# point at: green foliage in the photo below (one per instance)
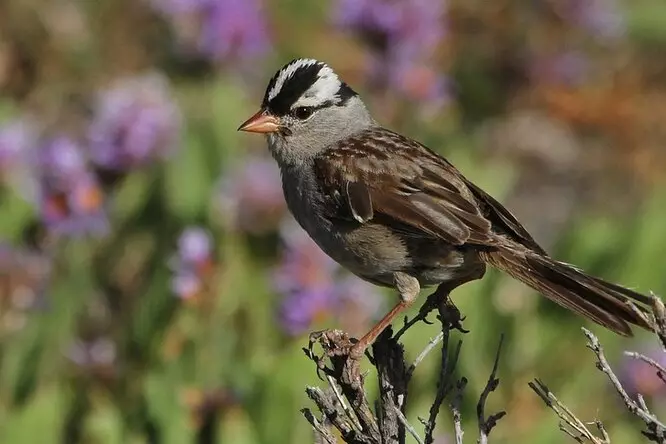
(220, 369)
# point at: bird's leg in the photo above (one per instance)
(409, 288)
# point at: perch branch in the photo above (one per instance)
(570, 424)
(655, 427)
(487, 424)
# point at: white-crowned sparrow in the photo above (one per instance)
(395, 213)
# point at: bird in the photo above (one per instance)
(397, 214)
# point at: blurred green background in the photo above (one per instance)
(153, 287)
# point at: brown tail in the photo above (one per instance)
(598, 300)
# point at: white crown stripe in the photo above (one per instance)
(286, 73)
(325, 89)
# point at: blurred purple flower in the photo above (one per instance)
(135, 122)
(226, 29)
(603, 19)
(404, 36)
(304, 264)
(192, 262)
(70, 199)
(61, 159)
(250, 197)
(568, 68)
(194, 245)
(315, 287)
(300, 309)
(97, 354)
(639, 377)
(234, 29)
(16, 139)
(409, 27)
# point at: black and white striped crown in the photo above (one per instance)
(305, 82)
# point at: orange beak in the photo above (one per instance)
(261, 122)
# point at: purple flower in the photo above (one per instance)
(404, 36)
(638, 377)
(97, 354)
(233, 29)
(194, 245)
(304, 264)
(602, 19)
(300, 309)
(70, 199)
(135, 122)
(61, 159)
(75, 209)
(315, 287)
(250, 197)
(192, 263)
(225, 29)
(568, 68)
(17, 138)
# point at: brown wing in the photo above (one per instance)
(502, 220)
(375, 177)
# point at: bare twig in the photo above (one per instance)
(322, 433)
(570, 424)
(487, 424)
(654, 425)
(329, 410)
(345, 405)
(392, 376)
(656, 430)
(661, 371)
(429, 347)
(447, 367)
(659, 312)
(341, 401)
(455, 410)
(412, 431)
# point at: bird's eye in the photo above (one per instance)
(303, 112)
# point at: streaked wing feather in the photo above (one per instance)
(503, 220)
(427, 199)
(359, 201)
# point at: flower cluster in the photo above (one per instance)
(192, 263)
(404, 36)
(70, 199)
(639, 377)
(134, 123)
(314, 287)
(601, 19)
(219, 30)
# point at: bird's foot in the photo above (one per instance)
(336, 344)
(450, 314)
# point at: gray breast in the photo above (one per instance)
(369, 250)
(372, 251)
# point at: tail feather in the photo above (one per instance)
(602, 302)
